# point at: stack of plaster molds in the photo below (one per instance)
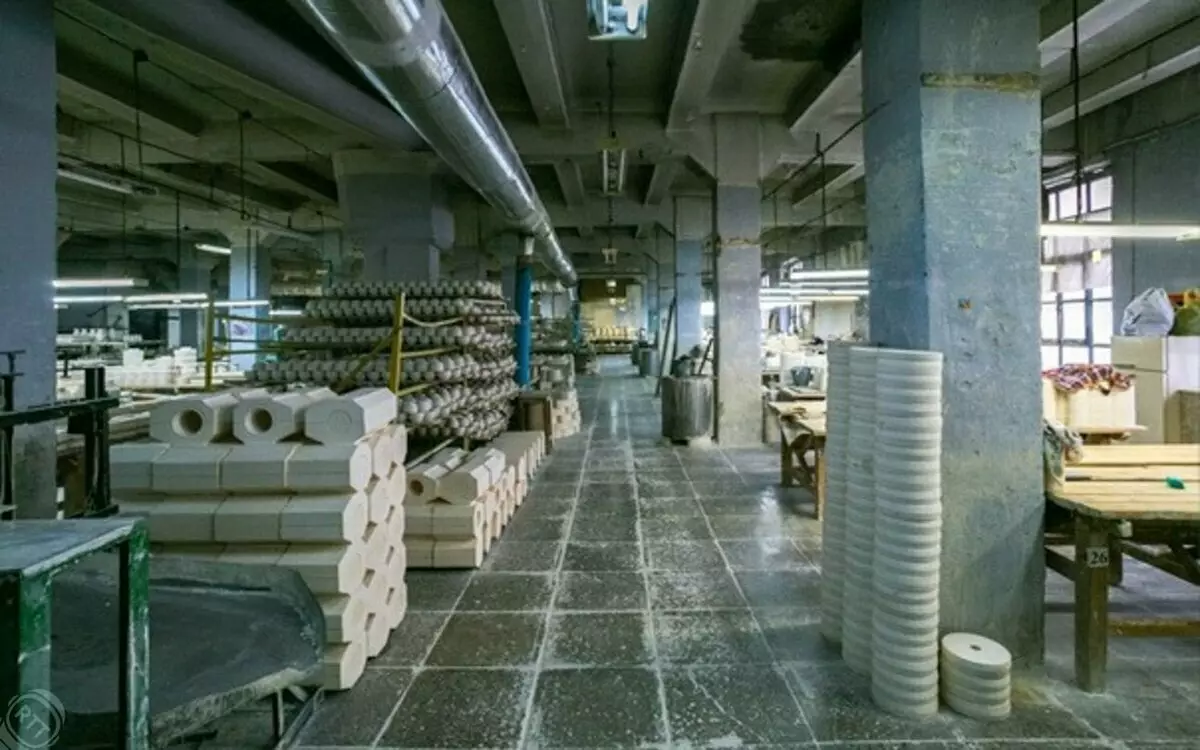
(456, 336)
(458, 502)
(565, 414)
(976, 676)
(908, 529)
(857, 593)
(315, 485)
(837, 446)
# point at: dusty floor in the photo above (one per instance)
(649, 595)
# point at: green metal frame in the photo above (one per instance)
(31, 554)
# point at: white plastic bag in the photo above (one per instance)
(1149, 314)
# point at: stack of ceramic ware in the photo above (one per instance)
(857, 594)
(976, 676)
(908, 531)
(833, 533)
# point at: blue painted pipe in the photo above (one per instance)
(524, 300)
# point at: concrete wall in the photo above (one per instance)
(1156, 180)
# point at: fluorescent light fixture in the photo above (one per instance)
(611, 283)
(825, 284)
(855, 273)
(96, 182)
(215, 249)
(286, 313)
(167, 297)
(221, 304)
(1181, 232)
(805, 298)
(95, 283)
(85, 299)
(708, 308)
(243, 303)
(1049, 267)
(612, 170)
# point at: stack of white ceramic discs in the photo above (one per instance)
(908, 531)
(833, 533)
(976, 676)
(857, 593)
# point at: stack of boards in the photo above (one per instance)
(458, 503)
(308, 481)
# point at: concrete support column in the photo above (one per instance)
(664, 251)
(249, 279)
(186, 327)
(693, 227)
(395, 213)
(28, 213)
(738, 278)
(466, 264)
(953, 157)
(507, 247)
(335, 252)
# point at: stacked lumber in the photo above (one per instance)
(458, 503)
(309, 481)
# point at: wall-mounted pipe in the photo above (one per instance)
(409, 51)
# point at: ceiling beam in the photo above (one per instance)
(834, 86)
(1157, 60)
(530, 34)
(1095, 17)
(570, 179)
(92, 84)
(297, 179)
(660, 181)
(716, 24)
(832, 180)
(206, 178)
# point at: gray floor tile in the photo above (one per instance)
(412, 640)
(507, 592)
(461, 708)
(676, 528)
(707, 589)
(723, 637)
(596, 708)
(598, 640)
(683, 556)
(732, 705)
(605, 527)
(529, 557)
(488, 640)
(435, 590)
(764, 554)
(355, 717)
(601, 591)
(781, 588)
(596, 556)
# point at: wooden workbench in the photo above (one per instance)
(802, 429)
(1119, 504)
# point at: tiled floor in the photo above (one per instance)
(650, 595)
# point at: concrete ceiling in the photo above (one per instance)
(211, 144)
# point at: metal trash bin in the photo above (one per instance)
(687, 407)
(648, 362)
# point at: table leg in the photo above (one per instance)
(1091, 603)
(819, 460)
(1116, 561)
(785, 461)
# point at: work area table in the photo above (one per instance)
(801, 430)
(1117, 501)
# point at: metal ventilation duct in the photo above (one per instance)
(409, 51)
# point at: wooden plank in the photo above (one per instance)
(1157, 472)
(1141, 455)
(1134, 509)
(1157, 628)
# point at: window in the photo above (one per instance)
(1077, 328)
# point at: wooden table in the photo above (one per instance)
(799, 434)
(1106, 435)
(1119, 504)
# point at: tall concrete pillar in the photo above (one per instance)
(336, 253)
(249, 279)
(507, 246)
(953, 155)
(186, 327)
(395, 212)
(466, 264)
(693, 227)
(664, 251)
(738, 277)
(28, 213)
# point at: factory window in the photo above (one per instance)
(1077, 328)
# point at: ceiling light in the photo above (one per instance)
(611, 283)
(856, 273)
(96, 283)
(243, 303)
(97, 299)
(1181, 232)
(96, 182)
(612, 169)
(286, 313)
(857, 283)
(167, 297)
(180, 305)
(1049, 267)
(216, 249)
